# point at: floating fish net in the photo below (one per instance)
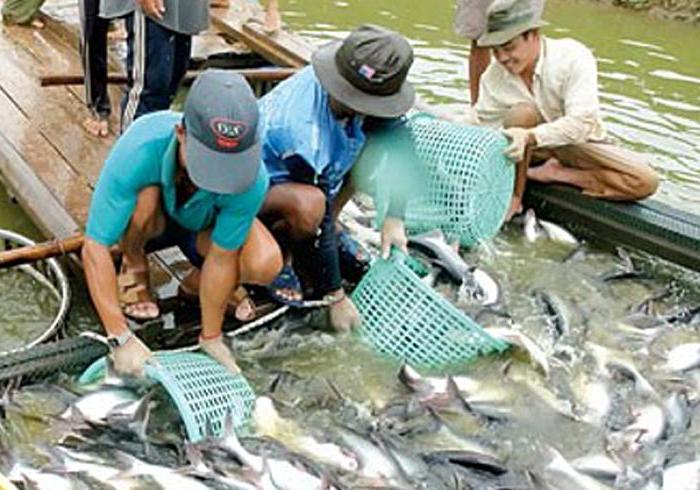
(467, 180)
(405, 319)
(204, 392)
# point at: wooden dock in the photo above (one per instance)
(47, 161)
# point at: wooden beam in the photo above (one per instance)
(253, 75)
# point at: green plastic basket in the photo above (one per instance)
(204, 392)
(404, 318)
(468, 181)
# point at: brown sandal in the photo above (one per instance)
(238, 300)
(133, 287)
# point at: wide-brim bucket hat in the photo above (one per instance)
(367, 71)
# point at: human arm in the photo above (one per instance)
(101, 278)
(219, 276)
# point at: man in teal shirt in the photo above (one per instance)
(192, 180)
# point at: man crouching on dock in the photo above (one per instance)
(544, 92)
(193, 180)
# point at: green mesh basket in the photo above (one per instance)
(404, 318)
(468, 181)
(204, 392)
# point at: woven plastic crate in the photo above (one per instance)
(204, 392)
(405, 319)
(468, 180)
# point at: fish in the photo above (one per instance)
(600, 466)
(555, 309)
(375, 464)
(614, 361)
(94, 407)
(524, 343)
(268, 422)
(283, 474)
(476, 460)
(475, 283)
(535, 229)
(163, 476)
(647, 428)
(489, 400)
(684, 476)
(683, 357)
(559, 474)
(200, 469)
(32, 478)
(92, 466)
(684, 314)
(592, 398)
(678, 412)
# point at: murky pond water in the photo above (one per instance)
(23, 320)
(649, 74)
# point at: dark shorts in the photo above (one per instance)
(177, 236)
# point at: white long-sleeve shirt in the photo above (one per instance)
(564, 90)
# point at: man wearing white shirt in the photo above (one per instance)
(544, 92)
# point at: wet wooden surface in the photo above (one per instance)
(48, 161)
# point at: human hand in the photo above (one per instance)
(393, 233)
(519, 139)
(131, 357)
(344, 315)
(152, 8)
(218, 351)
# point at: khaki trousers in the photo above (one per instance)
(615, 173)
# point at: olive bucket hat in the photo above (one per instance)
(507, 19)
(367, 71)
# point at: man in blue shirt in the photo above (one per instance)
(192, 180)
(313, 129)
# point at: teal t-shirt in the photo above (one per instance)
(146, 155)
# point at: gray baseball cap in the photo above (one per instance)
(221, 123)
(507, 19)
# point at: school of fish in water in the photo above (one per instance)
(599, 390)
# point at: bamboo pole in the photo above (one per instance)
(40, 251)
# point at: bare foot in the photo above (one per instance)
(219, 4)
(547, 172)
(96, 127)
(37, 23)
(273, 20)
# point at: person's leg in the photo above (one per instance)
(293, 212)
(153, 55)
(602, 170)
(259, 263)
(146, 223)
(181, 59)
(273, 20)
(479, 59)
(93, 50)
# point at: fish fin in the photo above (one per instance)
(505, 368)
(453, 393)
(334, 388)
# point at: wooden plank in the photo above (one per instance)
(245, 24)
(38, 201)
(55, 112)
(39, 176)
